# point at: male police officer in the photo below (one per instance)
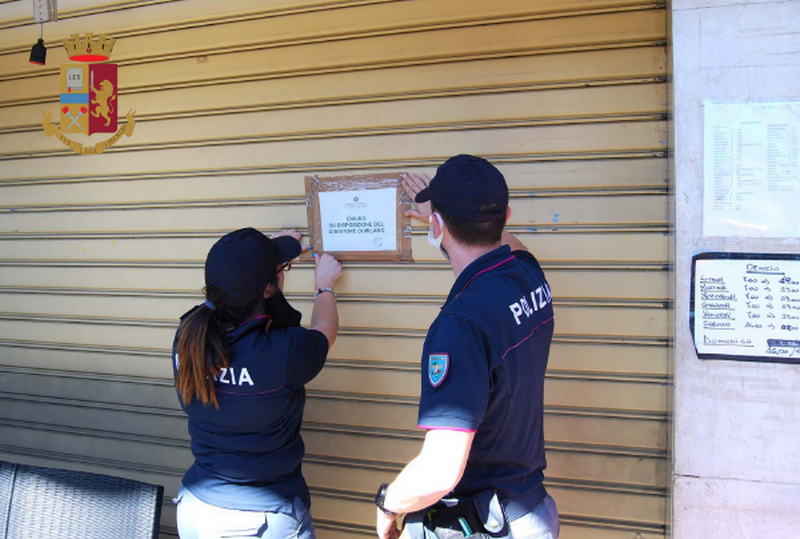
(483, 367)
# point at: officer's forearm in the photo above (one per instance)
(417, 487)
(325, 316)
(433, 474)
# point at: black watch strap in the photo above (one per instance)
(380, 498)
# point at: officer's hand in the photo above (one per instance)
(386, 526)
(413, 184)
(289, 232)
(327, 272)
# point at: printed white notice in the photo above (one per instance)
(751, 169)
(747, 307)
(359, 220)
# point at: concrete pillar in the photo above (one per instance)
(736, 437)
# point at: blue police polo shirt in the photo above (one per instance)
(248, 452)
(483, 369)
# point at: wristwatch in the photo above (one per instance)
(380, 497)
(321, 290)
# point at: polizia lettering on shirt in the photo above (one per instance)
(538, 299)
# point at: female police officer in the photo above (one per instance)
(240, 363)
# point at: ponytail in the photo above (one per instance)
(202, 354)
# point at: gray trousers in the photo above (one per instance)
(199, 520)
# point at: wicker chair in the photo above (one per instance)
(46, 503)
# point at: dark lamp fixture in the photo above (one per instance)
(38, 53)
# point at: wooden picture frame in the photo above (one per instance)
(358, 184)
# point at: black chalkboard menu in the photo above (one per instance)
(746, 307)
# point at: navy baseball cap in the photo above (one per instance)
(469, 188)
(244, 261)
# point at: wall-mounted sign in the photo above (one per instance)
(746, 307)
(359, 217)
(88, 96)
(751, 169)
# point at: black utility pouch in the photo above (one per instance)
(491, 514)
(479, 517)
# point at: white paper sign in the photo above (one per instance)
(359, 220)
(751, 169)
(747, 307)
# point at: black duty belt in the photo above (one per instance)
(482, 516)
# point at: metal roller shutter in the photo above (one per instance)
(236, 102)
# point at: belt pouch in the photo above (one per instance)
(491, 515)
(480, 516)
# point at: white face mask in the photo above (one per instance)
(432, 239)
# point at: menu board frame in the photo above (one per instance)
(355, 185)
(694, 308)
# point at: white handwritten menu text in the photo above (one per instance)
(746, 307)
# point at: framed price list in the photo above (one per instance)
(746, 307)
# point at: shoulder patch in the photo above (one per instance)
(438, 365)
